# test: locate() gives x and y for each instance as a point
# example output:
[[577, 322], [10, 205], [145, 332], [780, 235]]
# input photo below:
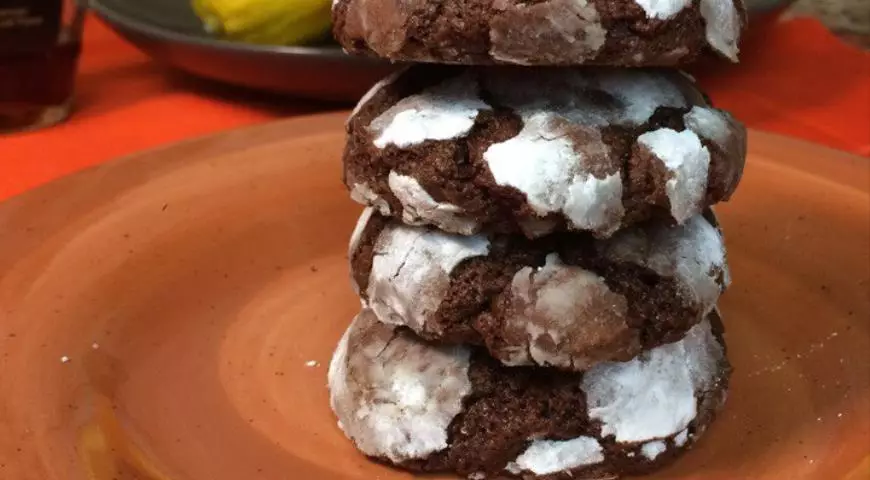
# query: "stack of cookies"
[[538, 262]]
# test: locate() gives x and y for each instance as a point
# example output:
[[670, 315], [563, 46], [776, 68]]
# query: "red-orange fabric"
[[794, 78]]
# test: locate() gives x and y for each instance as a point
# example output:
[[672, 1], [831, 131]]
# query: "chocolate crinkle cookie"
[[507, 150], [431, 408], [567, 300], [541, 32]]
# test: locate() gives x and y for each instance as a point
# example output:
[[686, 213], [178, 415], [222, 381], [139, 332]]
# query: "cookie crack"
[[404, 261], [395, 335]]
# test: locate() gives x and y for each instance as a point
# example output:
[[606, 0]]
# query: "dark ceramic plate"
[[169, 31]]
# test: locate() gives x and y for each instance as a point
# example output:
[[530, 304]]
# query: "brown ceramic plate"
[[189, 288]]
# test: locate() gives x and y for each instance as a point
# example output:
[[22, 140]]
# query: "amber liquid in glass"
[[40, 43], [34, 83]]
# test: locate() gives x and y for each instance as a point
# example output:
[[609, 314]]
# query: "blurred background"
[[158, 71], [285, 45], [850, 18]]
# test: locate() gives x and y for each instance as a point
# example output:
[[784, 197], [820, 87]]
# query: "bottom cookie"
[[427, 407]]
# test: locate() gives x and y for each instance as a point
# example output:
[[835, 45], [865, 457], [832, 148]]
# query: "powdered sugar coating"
[[653, 396], [723, 26], [681, 438], [411, 272], [555, 314], [547, 163], [355, 238], [563, 312], [640, 94], [363, 194], [708, 123], [595, 204], [688, 162], [693, 253], [663, 9], [419, 208], [651, 450], [543, 457], [395, 396], [443, 112], [721, 17], [552, 171], [633, 95], [361, 224], [567, 159], [618, 33], [337, 374], [527, 34], [537, 162], [376, 88]]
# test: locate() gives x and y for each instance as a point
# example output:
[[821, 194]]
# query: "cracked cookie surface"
[[536, 151], [566, 300], [435, 408], [541, 32]]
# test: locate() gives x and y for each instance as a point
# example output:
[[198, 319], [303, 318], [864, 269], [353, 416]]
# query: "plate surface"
[[188, 288], [169, 31]]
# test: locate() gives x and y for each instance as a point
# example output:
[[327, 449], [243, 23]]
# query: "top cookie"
[[507, 149], [541, 32]]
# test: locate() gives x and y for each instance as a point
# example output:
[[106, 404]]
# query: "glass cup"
[[40, 44]]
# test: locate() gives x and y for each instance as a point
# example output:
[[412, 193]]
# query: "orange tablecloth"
[[794, 78]]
